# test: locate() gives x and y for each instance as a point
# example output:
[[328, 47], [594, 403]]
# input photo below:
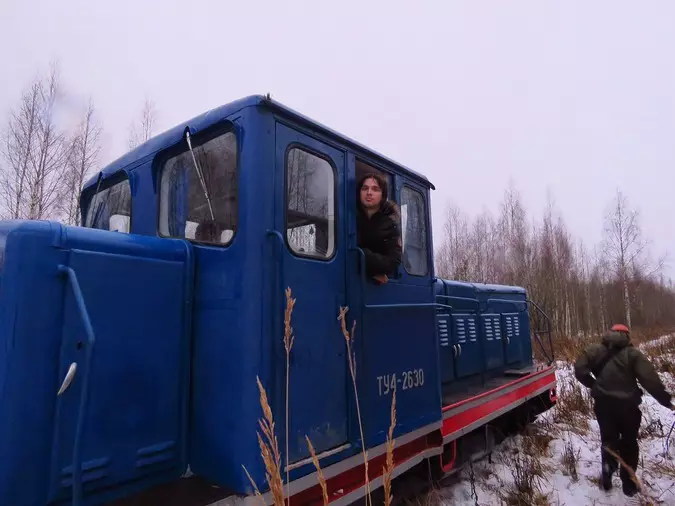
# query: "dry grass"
[[570, 459], [574, 407], [349, 341], [322, 479], [569, 348], [536, 442], [528, 474], [389, 466], [664, 468], [289, 338], [269, 450]]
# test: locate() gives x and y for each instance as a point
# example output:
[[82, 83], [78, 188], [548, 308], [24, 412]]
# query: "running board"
[[520, 372]]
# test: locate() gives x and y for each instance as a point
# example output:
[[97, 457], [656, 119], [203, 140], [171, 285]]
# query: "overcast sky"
[[575, 97]]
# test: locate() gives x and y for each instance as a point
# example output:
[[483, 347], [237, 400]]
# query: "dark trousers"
[[619, 425]]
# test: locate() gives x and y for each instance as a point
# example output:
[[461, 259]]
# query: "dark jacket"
[[380, 239], [618, 380]]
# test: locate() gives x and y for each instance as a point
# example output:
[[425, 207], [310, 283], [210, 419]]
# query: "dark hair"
[[381, 182]]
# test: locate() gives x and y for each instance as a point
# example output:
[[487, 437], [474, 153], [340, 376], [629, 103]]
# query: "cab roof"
[[205, 120]]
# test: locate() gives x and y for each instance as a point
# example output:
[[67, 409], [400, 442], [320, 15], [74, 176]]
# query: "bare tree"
[[624, 245], [83, 156], [19, 141], [141, 132], [36, 152]]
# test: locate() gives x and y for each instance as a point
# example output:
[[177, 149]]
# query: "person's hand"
[[381, 279]]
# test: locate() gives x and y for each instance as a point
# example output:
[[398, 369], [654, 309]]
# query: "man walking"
[[612, 370]]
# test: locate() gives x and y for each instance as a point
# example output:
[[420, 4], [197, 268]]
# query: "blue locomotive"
[[130, 346]]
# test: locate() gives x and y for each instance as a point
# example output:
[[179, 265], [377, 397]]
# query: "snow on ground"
[[546, 467]]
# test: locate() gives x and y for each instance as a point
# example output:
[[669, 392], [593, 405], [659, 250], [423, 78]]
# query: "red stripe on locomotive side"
[[352, 479], [461, 420]]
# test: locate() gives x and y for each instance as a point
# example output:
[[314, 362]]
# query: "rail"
[[88, 353], [547, 331]]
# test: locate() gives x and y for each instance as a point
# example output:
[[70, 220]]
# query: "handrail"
[[362, 272], [280, 272], [550, 358], [511, 301], [400, 306], [468, 299], [89, 350]]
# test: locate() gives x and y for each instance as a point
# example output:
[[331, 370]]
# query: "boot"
[[629, 488], [606, 478]]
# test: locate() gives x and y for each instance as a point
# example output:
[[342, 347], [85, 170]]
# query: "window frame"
[[412, 189], [200, 138], [118, 177], [334, 171]]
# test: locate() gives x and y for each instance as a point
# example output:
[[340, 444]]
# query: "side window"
[[110, 208], [414, 232], [184, 210], [310, 204]]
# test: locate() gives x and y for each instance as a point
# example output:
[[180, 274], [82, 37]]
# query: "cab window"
[[310, 204], [414, 232], [110, 208], [184, 208]]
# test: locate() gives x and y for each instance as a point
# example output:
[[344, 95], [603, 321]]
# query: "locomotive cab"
[[267, 200]]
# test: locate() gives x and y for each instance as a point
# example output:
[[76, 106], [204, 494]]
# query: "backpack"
[[611, 353]]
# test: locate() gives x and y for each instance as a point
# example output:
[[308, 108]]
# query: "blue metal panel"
[[399, 350], [467, 345], [232, 311], [468, 359], [514, 337], [510, 305], [494, 347], [132, 429], [446, 347]]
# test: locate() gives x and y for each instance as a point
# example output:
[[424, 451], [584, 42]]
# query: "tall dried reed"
[[349, 341], [289, 338], [322, 480], [389, 466], [269, 450]]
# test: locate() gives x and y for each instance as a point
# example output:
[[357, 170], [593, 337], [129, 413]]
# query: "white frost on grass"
[[493, 480]]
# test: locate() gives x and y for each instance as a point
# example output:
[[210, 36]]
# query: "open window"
[[310, 204], [110, 208], [414, 232], [184, 208]]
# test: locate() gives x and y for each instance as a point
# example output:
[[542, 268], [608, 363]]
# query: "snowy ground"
[[564, 439]]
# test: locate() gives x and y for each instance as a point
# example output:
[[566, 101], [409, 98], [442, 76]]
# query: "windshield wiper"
[[199, 173]]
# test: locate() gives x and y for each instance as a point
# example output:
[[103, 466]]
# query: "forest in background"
[[583, 289]]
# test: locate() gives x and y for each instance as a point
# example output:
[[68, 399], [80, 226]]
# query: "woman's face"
[[371, 194]]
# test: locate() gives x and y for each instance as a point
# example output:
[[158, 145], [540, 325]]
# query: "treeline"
[[583, 290], [48, 149]]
